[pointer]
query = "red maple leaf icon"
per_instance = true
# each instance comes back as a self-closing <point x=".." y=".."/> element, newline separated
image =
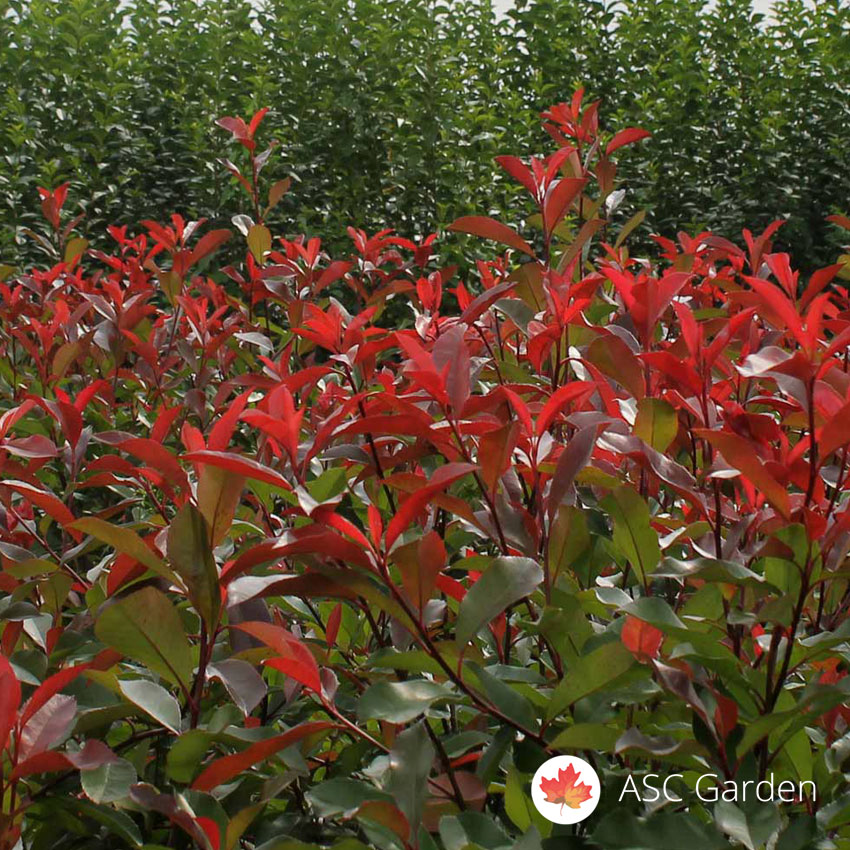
<point x="565" y="789"/>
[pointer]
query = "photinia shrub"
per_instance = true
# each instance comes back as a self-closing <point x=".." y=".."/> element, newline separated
<point x="280" y="571"/>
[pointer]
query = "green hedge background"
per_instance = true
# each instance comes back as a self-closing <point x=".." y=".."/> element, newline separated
<point x="392" y="110"/>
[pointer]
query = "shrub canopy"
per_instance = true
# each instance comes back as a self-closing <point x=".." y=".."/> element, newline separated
<point x="277" y="572"/>
<point x="392" y="110"/>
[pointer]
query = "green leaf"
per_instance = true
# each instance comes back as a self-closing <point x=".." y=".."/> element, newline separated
<point x="154" y="700"/>
<point x="259" y="241"/>
<point x="146" y="627"/>
<point x="504" y="582"/>
<point x="407" y="778"/>
<point x="400" y="702"/>
<point x="590" y="673"/>
<point x="621" y="830"/>
<point x="219" y="492"/>
<point x="125" y="540"/>
<point x="569" y="539"/>
<point x="518" y="805"/>
<point x="109" y="782"/>
<point x="753" y="828"/>
<point x="656" y="611"/>
<point x="567" y="628"/>
<point x="799" y="835"/>
<point x="633" y="534"/>
<point x="509" y="701"/>
<point x="708" y="569"/>
<point x="472" y="828"/>
<point x="191" y="556"/>
<point x="75" y="247"/>
<point x="587" y="736"/>
<point x="115" y="821"/>
<point x="185" y="754"/>
<point x="656" y="423"/>
<point x="342" y="796"/>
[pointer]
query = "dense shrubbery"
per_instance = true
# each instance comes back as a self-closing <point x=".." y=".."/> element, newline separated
<point x="392" y="110"/>
<point x="273" y="569"/>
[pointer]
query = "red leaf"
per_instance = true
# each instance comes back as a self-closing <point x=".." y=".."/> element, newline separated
<point x="558" y="200"/>
<point x="489" y="228"/>
<point x="725" y="715"/>
<point x="48" y="503"/>
<point x="234" y="125"/>
<point x="641" y="639"/>
<point x="50" y="686"/>
<point x="834" y="434"/>
<point x="495" y="451"/>
<point x="10" y="700"/>
<point x="150" y="799"/>
<point x="331" y="274"/>
<point x="243" y="466"/>
<point x="222" y="432"/>
<point x="294" y="658"/>
<point x="211" y="830"/>
<point x="164" y="420"/>
<point x="778" y="309"/>
<point x="94" y="754"/>
<point x="255" y="121"/>
<point x="485" y="300"/>
<point x="558" y="399"/>
<point x="451" y="357"/>
<point x="414" y="503"/>
<point x="44" y="762"/>
<point x="47" y="725"/>
<point x="739" y="454"/>
<point x="156" y="456"/>
<point x="208" y="243"/>
<point x="840" y="220"/>
<point x="626" y="137"/>
<point x="520" y="172"/>
<point x="332" y="628"/>
<point x="573" y="458"/>
<point x="35" y="446"/>
<point x="224" y="769"/>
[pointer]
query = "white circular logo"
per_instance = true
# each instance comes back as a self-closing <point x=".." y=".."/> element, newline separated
<point x="565" y="789"/>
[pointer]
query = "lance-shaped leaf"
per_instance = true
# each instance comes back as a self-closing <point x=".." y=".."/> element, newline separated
<point x="224" y="769"/>
<point x="241" y="680"/>
<point x="633" y="534"/>
<point x="219" y="492"/>
<point x="590" y="673"/>
<point x="125" y="540"/>
<point x="244" y="466"/>
<point x="400" y="702"/>
<point x="489" y="228"/>
<point x="503" y="583"/>
<point x="154" y="700"/>
<point x="190" y="553"/>
<point x="407" y="777"/>
<point x="10" y="699"/>
<point x="293" y="657"/>
<point x="626" y="137"/>
<point x="52" y="506"/>
<point x="146" y="627"/>
<point x="656" y="423"/>
<point x="739" y="453"/>
<point x="413" y="504"/>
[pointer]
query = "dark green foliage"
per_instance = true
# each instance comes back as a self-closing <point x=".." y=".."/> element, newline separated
<point x="392" y="110"/>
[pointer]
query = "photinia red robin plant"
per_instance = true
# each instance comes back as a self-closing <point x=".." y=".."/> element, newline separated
<point x="326" y="578"/>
